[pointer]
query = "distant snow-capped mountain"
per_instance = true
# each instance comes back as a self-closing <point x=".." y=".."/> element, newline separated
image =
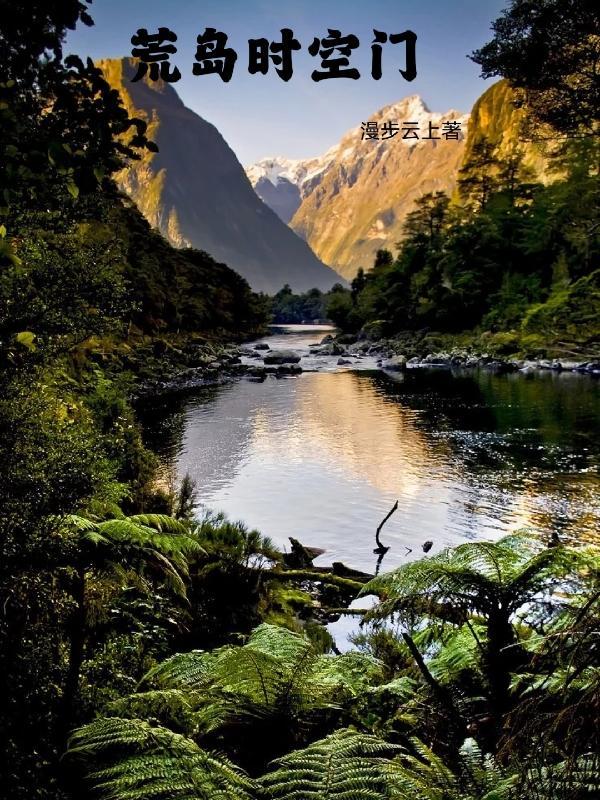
<point x="282" y="183"/>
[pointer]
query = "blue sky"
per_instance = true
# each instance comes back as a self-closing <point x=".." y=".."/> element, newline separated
<point x="261" y="115"/>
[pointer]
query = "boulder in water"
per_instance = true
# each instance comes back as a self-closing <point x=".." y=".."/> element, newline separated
<point x="282" y="357"/>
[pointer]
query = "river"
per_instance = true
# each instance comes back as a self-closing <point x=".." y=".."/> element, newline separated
<point x="323" y="456"/>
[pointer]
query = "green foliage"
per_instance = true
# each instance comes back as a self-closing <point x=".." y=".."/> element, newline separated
<point x="278" y="675"/>
<point x="151" y="762"/>
<point x="477" y="576"/>
<point x="343" y="765"/>
<point x="288" y="308"/>
<point x="549" y="51"/>
<point x="570" y="312"/>
<point x="512" y="249"/>
<point x="424" y="776"/>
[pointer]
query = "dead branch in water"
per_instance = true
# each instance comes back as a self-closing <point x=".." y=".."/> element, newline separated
<point x="380" y="547"/>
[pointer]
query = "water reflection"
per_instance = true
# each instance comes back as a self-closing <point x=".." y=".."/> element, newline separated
<point x="322" y="457"/>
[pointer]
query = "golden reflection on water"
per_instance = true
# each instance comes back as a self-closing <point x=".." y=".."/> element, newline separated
<point x="349" y="422"/>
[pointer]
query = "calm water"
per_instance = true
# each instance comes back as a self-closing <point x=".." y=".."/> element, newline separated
<point x="323" y="456"/>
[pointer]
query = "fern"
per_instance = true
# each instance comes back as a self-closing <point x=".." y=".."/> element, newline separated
<point x="475" y="576"/>
<point x="143" y="762"/>
<point x="344" y="766"/>
<point x="276" y="670"/>
<point x="153" y="541"/>
<point x="422" y="775"/>
<point x="459" y="652"/>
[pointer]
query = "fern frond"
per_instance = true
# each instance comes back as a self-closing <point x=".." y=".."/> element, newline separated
<point x="146" y="762"/>
<point x="342" y="766"/>
<point x="191" y="670"/>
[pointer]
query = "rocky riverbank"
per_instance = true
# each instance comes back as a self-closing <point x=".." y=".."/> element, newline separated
<point x="174" y="367"/>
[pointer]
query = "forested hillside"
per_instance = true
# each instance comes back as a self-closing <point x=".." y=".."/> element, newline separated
<point x="514" y="251"/>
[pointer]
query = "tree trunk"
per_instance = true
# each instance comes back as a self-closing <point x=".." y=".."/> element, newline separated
<point x="76" y="654"/>
<point x="500" y="657"/>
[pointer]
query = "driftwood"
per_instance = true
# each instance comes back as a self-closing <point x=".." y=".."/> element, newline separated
<point x="322" y="575"/>
<point x="382" y="549"/>
<point x="300" y="555"/>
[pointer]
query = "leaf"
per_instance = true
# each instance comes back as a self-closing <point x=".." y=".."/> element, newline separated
<point x="73" y="189"/>
<point x="27" y="339"/>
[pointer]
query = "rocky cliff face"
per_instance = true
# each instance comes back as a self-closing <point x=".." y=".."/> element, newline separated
<point x="353" y="200"/>
<point x="196" y="193"/>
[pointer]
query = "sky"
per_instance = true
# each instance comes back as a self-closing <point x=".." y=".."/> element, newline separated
<point x="261" y="115"/>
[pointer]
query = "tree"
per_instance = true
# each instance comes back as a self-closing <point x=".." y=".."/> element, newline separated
<point x="146" y="543"/>
<point x="478" y="177"/>
<point x="493" y="581"/>
<point x="63" y="128"/>
<point x="550" y="50"/>
<point x="426" y="221"/>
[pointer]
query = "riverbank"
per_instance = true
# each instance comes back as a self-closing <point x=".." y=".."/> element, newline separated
<point x="176" y="365"/>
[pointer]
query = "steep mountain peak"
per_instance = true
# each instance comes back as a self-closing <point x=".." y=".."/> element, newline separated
<point x="353" y="199"/>
<point x="196" y="193"/>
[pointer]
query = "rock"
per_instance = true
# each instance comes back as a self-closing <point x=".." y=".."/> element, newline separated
<point x="570" y="366"/>
<point x="331" y="349"/>
<point x="282" y="357"/>
<point x="427" y="546"/>
<point x="327" y="339"/>
<point x="544" y="364"/>
<point x="359" y="347"/>
<point x="395" y="364"/>
<point x="343" y="362"/>
<point x="373" y="330"/>
<point x="262" y="346"/>
<point x="413" y="362"/>
<point x="437" y="360"/>
<point x="289" y="369"/>
<point x="592" y="366"/>
<point x="346" y="338"/>
<point x="499" y="367"/>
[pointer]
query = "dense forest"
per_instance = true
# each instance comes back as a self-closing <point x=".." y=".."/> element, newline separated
<point x="509" y="255"/>
<point x="148" y="654"/>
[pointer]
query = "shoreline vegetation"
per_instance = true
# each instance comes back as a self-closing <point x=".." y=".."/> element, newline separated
<point x="151" y="655"/>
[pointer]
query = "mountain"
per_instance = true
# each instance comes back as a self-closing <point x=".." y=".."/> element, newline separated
<point x="496" y="119"/>
<point x="353" y="200"/>
<point x="283" y="183"/>
<point x="195" y="191"/>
